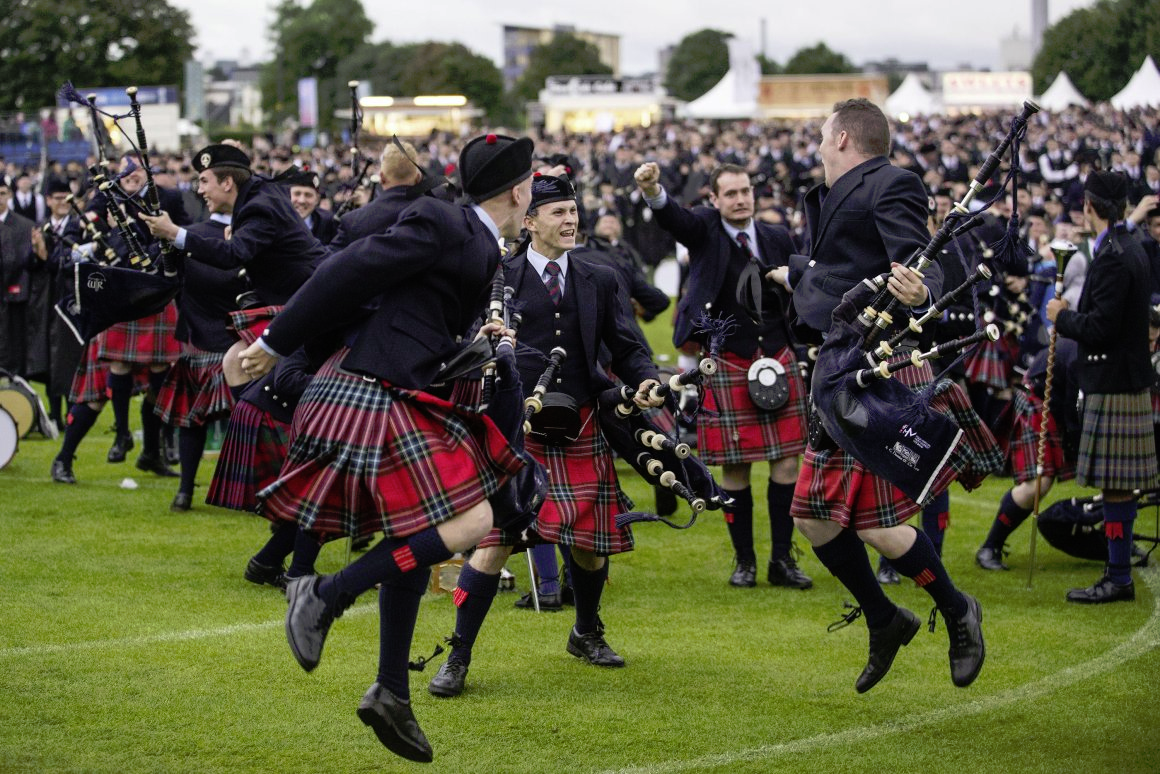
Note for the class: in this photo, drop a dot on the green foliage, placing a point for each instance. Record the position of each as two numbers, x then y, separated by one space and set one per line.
768 66
46 42
1099 47
565 54
699 61
309 41
817 60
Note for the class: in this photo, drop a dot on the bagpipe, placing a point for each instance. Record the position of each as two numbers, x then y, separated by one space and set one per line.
125 278
358 175
1075 526
920 440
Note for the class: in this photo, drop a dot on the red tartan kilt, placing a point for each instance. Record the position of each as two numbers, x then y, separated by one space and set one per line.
148 341
90 382
584 494
249 324
251 458
741 432
1025 442
195 390
367 457
990 363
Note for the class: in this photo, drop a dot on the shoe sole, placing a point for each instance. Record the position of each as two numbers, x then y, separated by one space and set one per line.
912 629
389 737
294 648
982 651
443 693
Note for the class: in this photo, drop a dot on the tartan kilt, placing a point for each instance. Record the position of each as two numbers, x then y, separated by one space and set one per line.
740 431
1024 449
1117 447
990 364
148 341
251 458
832 485
249 324
195 390
366 456
584 494
1155 407
90 382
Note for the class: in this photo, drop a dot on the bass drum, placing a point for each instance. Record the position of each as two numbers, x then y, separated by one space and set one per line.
20 404
9 438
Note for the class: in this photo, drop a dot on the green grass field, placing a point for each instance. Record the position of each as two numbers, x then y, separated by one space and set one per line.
130 643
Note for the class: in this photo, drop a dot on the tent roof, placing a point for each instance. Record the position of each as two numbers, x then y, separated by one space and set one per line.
911 97
1061 94
1142 89
720 102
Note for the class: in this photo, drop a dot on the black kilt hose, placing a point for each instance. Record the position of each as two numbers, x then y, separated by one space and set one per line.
834 486
90 383
366 457
583 497
1117 447
195 390
733 430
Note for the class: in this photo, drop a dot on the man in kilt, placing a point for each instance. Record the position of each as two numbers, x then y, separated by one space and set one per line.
147 344
570 304
375 446
267 238
730 255
195 392
838 504
1117 450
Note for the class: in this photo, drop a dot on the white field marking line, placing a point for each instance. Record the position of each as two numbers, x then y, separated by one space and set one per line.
163 638
1146 638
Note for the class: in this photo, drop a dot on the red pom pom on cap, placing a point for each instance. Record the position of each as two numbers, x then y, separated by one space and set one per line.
490 139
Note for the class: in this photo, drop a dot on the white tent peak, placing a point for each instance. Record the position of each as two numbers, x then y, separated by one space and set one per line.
911 98
1061 94
735 95
1142 90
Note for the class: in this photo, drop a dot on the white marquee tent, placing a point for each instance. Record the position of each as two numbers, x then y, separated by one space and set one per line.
735 95
1061 94
911 98
1143 89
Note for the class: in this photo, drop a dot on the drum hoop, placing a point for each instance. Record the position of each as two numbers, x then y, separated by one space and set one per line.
23 429
8 425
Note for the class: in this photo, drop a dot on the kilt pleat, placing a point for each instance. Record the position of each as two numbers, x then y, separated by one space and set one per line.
90 382
148 341
366 456
733 430
1117 448
195 390
990 364
249 324
584 494
1024 449
250 459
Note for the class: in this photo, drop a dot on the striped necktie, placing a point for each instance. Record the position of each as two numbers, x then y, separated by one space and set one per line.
553 282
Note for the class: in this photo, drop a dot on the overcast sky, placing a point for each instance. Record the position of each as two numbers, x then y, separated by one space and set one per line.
941 34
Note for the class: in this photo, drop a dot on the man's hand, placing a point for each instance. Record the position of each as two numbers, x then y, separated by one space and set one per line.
160 225
38 248
648 178
1147 203
256 361
1054 306
780 275
906 285
642 399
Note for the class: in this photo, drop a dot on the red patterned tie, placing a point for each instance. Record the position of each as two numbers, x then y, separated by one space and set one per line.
553 282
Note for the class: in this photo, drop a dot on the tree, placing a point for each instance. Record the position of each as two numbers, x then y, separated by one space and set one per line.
46 42
565 54
816 60
768 66
308 43
1100 47
698 63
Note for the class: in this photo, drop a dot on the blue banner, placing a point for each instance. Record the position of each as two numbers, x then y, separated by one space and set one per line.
110 96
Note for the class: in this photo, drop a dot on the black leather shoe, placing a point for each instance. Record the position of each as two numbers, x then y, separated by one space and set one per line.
887 575
593 649
549 603
181 502
967 649
62 472
1104 590
121 446
152 463
784 572
567 595
744 575
884 645
308 620
990 558
448 681
394 724
258 573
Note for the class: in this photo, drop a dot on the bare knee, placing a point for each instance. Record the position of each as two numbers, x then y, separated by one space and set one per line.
735 477
490 561
586 560
891 542
784 470
466 529
818 531
232 366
